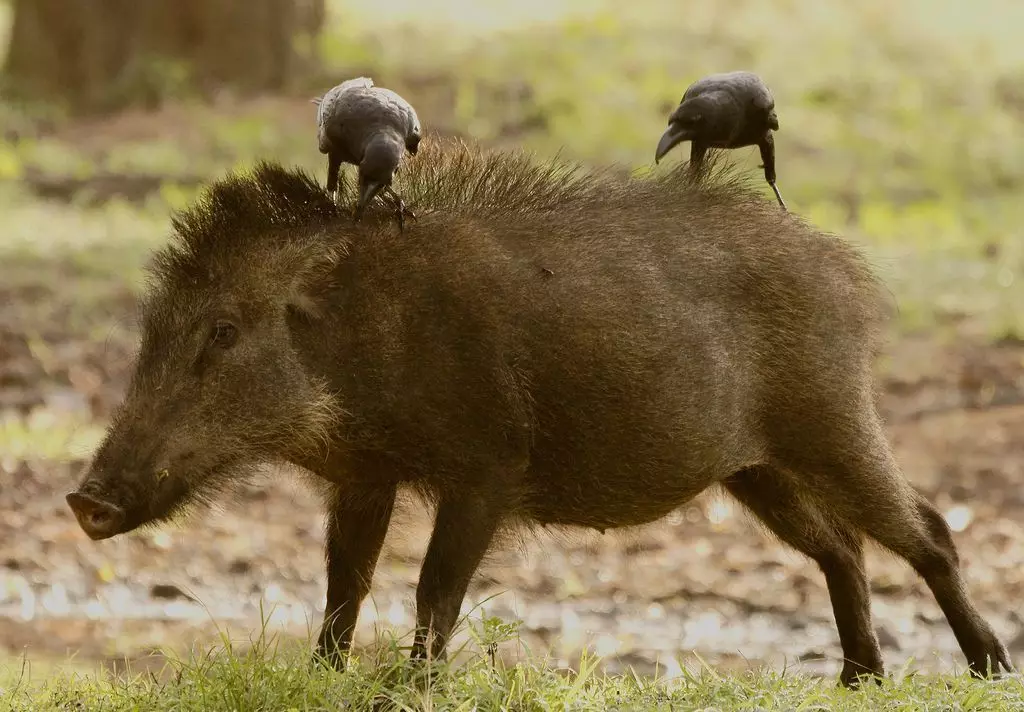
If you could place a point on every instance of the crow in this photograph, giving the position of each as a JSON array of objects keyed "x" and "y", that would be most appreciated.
[
  {"x": 727, "y": 110},
  {"x": 370, "y": 127}
]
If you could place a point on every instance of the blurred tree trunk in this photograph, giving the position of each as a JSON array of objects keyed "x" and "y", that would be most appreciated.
[{"x": 98, "y": 54}]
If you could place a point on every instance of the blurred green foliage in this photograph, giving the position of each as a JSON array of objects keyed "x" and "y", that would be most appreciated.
[{"x": 902, "y": 124}]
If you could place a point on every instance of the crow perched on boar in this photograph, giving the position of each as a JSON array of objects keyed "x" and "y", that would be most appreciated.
[
  {"x": 552, "y": 347},
  {"x": 370, "y": 127},
  {"x": 728, "y": 110}
]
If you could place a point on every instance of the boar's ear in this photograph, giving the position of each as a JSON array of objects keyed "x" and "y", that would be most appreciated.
[{"x": 307, "y": 268}]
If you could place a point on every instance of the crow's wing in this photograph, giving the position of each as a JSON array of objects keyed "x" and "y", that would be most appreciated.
[
  {"x": 401, "y": 114},
  {"x": 741, "y": 84},
  {"x": 325, "y": 102},
  {"x": 352, "y": 114}
]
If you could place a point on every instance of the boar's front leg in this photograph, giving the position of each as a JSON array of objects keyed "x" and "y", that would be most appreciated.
[
  {"x": 356, "y": 526},
  {"x": 463, "y": 530}
]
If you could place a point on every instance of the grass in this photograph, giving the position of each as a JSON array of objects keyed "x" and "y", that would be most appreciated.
[{"x": 279, "y": 675}]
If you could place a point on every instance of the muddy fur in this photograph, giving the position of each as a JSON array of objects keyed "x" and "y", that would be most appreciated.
[{"x": 545, "y": 345}]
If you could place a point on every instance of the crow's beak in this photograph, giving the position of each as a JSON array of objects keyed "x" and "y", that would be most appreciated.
[
  {"x": 675, "y": 134},
  {"x": 367, "y": 193}
]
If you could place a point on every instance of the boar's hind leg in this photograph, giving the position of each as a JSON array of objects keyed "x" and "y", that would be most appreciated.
[
  {"x": 463, "y": 529},
  {"x": 862, "y": 485},
  {"x": 918, "y": 533},
  {"x": 356, "y": 526},
  {"x": 837, "y": 550}
]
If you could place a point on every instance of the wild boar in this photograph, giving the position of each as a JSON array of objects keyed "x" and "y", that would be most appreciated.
[{"x": 548, "y": 345}]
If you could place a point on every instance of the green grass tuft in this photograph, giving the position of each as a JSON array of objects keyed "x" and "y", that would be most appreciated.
[{"x": 270, "y": 674}]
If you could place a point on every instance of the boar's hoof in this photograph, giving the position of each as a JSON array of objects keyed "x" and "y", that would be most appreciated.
[
  {"x": 854, "y": 676},
  {"x": 993, "y": 663},
  {"x": 329, "y": 659},
  {"x": 98, "y": 519},
  {"x": 329, "y": 653}
]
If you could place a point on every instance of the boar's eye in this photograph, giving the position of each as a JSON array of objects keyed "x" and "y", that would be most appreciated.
[{"x": 224, "y": 334}]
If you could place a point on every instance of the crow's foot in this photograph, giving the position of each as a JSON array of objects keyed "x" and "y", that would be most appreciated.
[
  {"x": 401, "y": 209},
  {"x": 778, "y": 196}
]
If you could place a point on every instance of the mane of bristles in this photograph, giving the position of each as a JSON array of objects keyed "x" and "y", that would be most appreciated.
[
  {"x": 450, "y": 176},
  {"x": 717, "y": 178},
  {"x": 254, "y": 213},
  {"x": 271, "y": 213}
]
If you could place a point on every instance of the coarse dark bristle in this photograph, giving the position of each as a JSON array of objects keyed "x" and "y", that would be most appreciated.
[
  {"x": 280, "y": 221},
  {"x": 447, "y": 175},
  {"x": 251, "y": 210}
]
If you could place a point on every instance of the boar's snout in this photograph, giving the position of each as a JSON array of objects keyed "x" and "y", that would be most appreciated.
[{"x": 98, "y": 519}]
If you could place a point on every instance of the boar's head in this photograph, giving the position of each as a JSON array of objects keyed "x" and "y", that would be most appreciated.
[{"x": 218, "y": 385}]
